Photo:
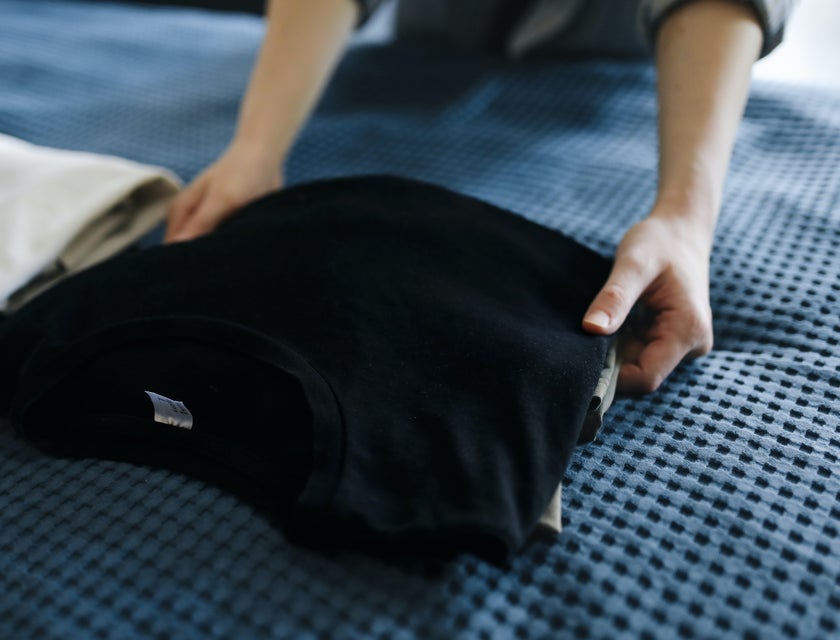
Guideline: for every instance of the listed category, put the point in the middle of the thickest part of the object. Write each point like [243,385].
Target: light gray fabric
[611,27]
[62,211]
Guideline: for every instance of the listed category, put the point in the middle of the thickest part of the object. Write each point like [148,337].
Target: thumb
[628,280]
[205,218]
[182,207]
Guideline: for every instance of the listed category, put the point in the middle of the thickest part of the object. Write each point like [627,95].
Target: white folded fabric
[63,211]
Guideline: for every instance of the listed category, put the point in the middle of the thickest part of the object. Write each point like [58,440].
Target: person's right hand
[239,176]
[663,263]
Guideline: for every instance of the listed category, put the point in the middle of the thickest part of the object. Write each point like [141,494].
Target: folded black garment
[388,360]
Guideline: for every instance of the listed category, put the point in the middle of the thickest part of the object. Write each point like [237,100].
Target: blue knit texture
[706,510]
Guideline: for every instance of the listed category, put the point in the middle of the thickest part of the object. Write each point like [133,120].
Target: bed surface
[709,509]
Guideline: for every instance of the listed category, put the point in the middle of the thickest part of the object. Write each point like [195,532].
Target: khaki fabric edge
[602,399]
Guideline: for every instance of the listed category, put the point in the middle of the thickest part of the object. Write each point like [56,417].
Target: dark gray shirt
[518,27]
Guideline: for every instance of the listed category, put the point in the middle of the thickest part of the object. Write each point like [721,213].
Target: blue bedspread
[709,509]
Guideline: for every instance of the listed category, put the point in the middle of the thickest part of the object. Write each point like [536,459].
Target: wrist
[694,201]
[693,219]
[256,150]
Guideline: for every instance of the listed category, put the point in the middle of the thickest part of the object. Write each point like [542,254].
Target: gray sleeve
[773,15]
[366,9]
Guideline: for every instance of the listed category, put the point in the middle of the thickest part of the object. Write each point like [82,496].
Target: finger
[204,220]
[630,348]
[182,207]
[653,364]
[629,278]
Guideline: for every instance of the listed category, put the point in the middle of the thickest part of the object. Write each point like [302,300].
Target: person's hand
[662,262]
[240,175]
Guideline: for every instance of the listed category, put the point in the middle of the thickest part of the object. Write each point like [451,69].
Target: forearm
[704,54]
[303,42]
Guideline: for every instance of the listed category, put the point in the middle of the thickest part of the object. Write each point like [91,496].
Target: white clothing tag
[168,411]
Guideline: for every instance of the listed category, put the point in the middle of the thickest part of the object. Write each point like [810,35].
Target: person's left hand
[663,263]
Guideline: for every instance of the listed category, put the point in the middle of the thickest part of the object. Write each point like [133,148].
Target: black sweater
[418,350]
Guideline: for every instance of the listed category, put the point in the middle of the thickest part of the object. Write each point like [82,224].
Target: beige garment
[601,400]
[63,211]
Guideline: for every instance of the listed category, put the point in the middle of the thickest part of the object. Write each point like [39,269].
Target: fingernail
[598,318]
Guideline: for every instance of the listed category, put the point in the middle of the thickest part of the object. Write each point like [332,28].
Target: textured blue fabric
[709,509]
